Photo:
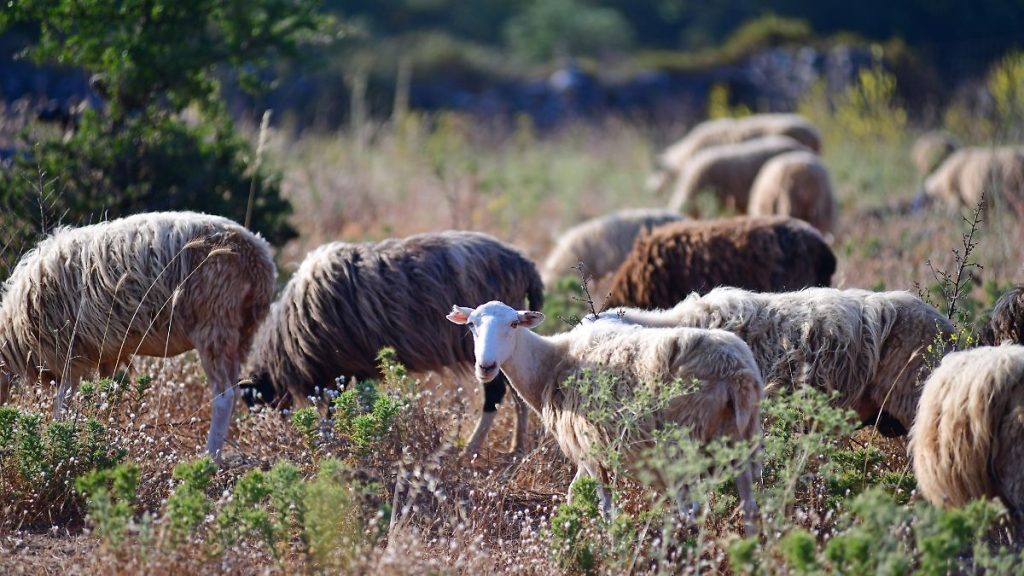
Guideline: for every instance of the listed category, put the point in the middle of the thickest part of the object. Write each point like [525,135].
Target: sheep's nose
[485,368]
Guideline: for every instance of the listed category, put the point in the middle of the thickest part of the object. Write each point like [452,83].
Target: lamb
[87,299]
[966,443]
[601,243]
[931,148]
[725,131]
[769,254]
[965,175]
[872,348]
[728,171]
[1006,322]
[543,369]
[347,301]
[795,184]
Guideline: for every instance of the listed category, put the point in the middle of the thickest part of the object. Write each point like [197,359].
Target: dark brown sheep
[770,254]
[347,301]
[1007,320]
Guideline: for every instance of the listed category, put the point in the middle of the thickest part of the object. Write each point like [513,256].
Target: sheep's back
[760,254]
[347,301]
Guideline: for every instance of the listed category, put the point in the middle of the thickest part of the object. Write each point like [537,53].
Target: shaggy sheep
[542,369]
[729,131]
[86,299]
[770,254]
[795,184]
[728,171]
[966,443]
[601,243]
[970,172]
[931,149]
[870,347]
[347,301]
[1006,323]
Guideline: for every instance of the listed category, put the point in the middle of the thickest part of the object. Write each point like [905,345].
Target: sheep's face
[495,327]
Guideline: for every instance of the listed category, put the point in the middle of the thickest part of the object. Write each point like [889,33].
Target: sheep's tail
[953,439]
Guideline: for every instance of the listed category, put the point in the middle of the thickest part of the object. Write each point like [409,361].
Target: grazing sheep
[870,347]
[347,301]
[768,254]
[87,299]
[725,131]
[970,172]
[601,243]
[541,369]
[966,442]
[795,184]
[728,171]
[1006,323]
[931,149]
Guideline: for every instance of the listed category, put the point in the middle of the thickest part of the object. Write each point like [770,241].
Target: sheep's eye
[515,324]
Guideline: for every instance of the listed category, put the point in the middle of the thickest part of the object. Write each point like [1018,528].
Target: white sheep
[543,370]
[962,178]
[795,184]
[723,131]
[601,243]
[727,171]
[966,442]
[87,299]
[870,347]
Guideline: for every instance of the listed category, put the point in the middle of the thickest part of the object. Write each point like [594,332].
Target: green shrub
[150,162]
[188,504]
[110,495]
[570,545]
[39,461]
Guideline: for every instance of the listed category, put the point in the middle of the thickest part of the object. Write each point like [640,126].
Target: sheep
[1006,322]
[931,148]
[795,184]
[768,254]
[729,131]
[968,173]
[543,369]
[728,171]
[870,347]
[347,301]
[966,442]
[601,243]
[85,300]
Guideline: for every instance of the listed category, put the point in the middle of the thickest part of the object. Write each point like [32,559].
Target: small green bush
[110,495]
[570,546]
[188,505]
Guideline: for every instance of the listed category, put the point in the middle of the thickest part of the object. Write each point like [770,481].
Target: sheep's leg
[688,508]
[64,390]
[745,486]
[5,387]
[222,373]
[601,476]
[521,441]
[494,393]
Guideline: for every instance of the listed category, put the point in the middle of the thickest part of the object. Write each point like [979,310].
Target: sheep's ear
[530,319]
[459,314]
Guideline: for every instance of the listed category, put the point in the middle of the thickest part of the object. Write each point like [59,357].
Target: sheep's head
[495,328]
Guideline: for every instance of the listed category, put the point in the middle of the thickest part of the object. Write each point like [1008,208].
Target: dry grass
[488,515]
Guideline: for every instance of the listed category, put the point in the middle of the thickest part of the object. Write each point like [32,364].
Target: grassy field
[303,493]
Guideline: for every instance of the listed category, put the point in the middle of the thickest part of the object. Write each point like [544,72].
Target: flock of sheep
[740,306]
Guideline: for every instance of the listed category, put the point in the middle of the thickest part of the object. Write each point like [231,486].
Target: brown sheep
[931,149]
[1006,323]
[728,171]
[795,184]
[768,254]
[965,175]
[724,131]
[966,440]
